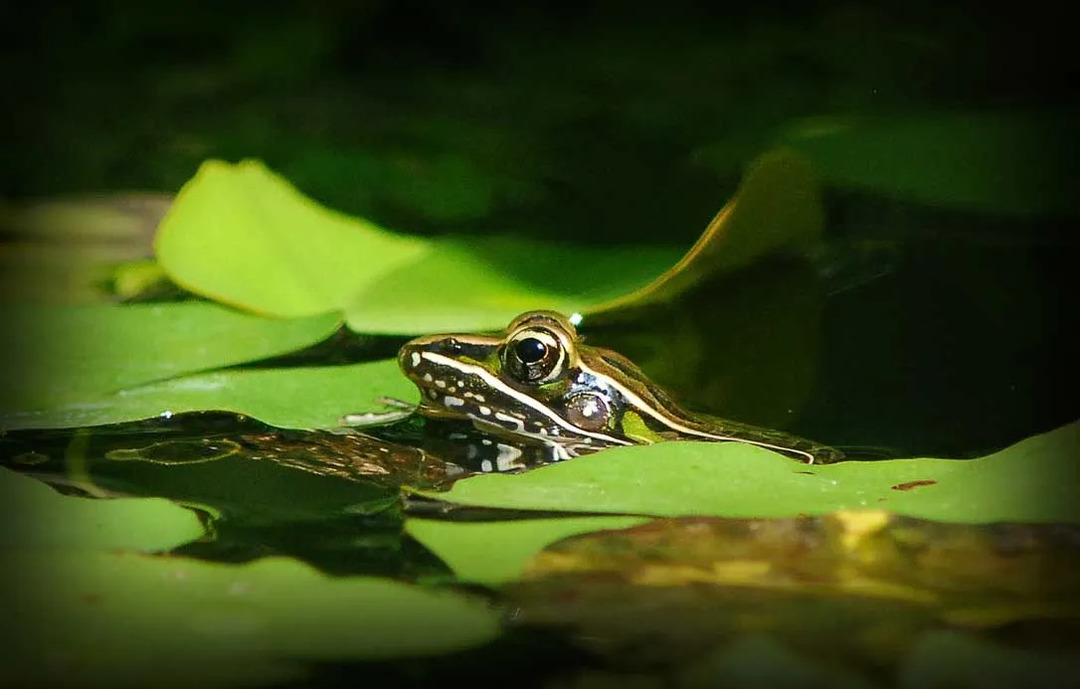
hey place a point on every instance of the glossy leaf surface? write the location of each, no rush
(70, 355)
(1035, 480)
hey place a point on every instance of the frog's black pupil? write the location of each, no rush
(530, 350)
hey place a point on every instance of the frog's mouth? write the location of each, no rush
(449, 388)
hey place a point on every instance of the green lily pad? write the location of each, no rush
(61, 250)
(1000, 163)
(101, 619)
(301, 398)
(468, 547)
(40, 518)
(242, 235)
(1035, 480)
(462, 286)
(61, 356)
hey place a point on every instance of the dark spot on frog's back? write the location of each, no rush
(909, 485)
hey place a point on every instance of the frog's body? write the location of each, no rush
(538, 385)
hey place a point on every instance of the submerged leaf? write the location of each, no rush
(857, 588)
(970, 575)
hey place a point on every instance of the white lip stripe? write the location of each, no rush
(640, 404)
(495, 383)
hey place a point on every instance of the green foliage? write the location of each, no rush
(986, 162)
(243, 236)
(77, 355)
(48, 520)
(240, 234)
(1033, 480)
(304, 398)
(84, 609)
(495, 552)
(129, 621)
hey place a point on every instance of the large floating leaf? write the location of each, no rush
(97, 619)
(67, 355)
(1035, 480)
(1005, 163)
(308, 397)
(484, 284)
(37, 517)
(467, 547)
(242, 235)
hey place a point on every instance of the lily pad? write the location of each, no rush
(301, 398)
(1035, 480)
(495, 552)
(101, 619)
(484, 284)
(242, 235)
(39, 518)
(59, 356)
(1000, 163)
(61, 250)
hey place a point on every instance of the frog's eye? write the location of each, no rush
(530, 350)
(534, 356)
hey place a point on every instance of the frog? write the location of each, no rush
(537, 387)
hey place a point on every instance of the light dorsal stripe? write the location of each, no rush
(641, 405)
(494, 382)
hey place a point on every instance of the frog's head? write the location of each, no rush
(538, 381)
(534, 379)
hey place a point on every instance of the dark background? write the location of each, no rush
(604, 120)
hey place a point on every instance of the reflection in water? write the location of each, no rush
(272, 491)
(353, 456)
(176, 451)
